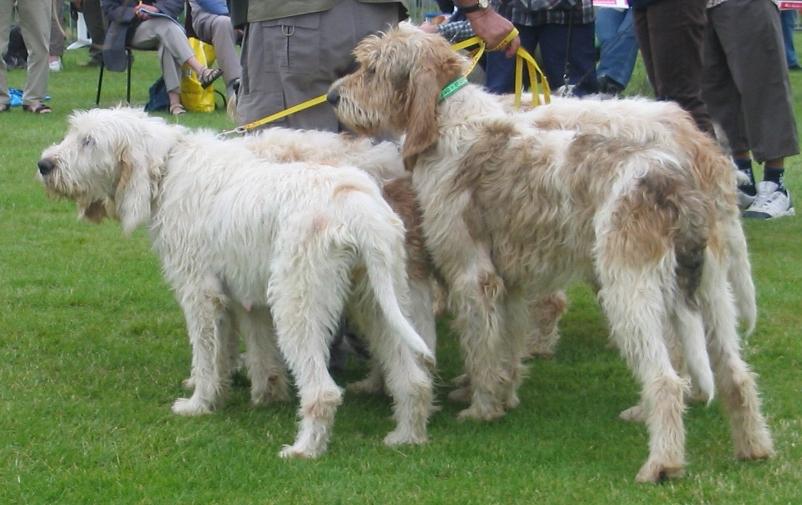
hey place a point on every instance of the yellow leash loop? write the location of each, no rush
(521, 57)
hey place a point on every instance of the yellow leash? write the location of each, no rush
(521, 57)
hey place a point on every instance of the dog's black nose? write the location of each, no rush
(333, 97)
(46, 166)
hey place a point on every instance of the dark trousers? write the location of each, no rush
(671, 34)
(553, 42)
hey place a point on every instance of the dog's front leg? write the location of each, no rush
(209, 330)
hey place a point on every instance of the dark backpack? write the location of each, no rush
(17, 54)
(157, 97)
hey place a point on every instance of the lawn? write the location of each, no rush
(94, 349)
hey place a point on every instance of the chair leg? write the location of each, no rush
(99, 84)
(128, 84)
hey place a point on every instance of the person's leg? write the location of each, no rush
(34, 20)
(580, 62)
(676, 32)
(788, 19)
(219, 31)
(56, 49)
(723, 101)
(6, 7)
(500, 70)
(93, 17)
(619, 51)
(766, 103)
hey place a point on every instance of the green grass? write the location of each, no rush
(93, 350)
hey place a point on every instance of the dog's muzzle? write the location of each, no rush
(46, 165)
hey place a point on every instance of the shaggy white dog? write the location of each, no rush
(383, 162)
(512, 212)
(236, 236)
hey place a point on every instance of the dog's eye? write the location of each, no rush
(87, 141)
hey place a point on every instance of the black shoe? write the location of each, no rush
(608, 86)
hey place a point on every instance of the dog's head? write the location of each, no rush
(396, 86)
(109, 163)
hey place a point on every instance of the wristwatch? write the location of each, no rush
(478, 6)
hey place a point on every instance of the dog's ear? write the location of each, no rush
(421, 107)
(134, 189)
(425, 82)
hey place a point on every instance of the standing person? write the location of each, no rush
(33, 17)
(140, 26)
(670, 34)
(615, 31)
(212, 24)
(293, 51)
(747, 91)
(564, 30)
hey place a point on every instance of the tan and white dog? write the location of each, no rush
(512, 212)
(268, 247)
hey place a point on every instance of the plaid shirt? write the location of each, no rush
(542, 12)
(456, 31)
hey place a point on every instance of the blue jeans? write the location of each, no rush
(788, 20)
(553, 40)
(619, 46)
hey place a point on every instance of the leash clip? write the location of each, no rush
(239, 130)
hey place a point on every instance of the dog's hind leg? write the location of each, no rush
(735, 382)
(266, 368)
(476, 298)
(637, 324)
(209, 327)
(307, 293)
(517, 325)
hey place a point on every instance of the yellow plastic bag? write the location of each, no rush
(193, 96)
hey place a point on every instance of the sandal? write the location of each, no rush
(177, 109)
(38, 108)
(208, 76)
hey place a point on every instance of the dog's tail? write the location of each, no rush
(691, 260)
(739, 273)
(380, 240)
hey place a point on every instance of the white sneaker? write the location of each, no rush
(745, 200)
(770, 202)
(55, 65)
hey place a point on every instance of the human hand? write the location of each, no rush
(142, 10)
(428, 27)
(492, 27)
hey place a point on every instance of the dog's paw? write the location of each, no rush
(655, 472)
(512, 401)
(461, 395)
(298, 452)
(367, 386)
(759, 446)
(190, 407)
(461, 381)
(481, 413)
(633, 414)
(401, 437)
(188, 383)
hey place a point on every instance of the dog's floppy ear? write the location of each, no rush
(134, 189)
(421, 106)
(436, 70)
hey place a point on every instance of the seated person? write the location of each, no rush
(212, 24)
(152, 24)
